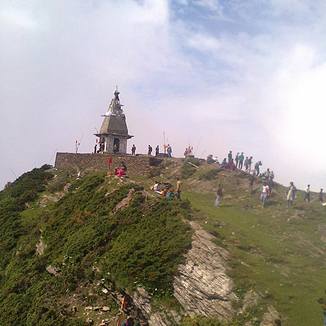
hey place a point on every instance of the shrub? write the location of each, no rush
(142, 243)
(187, 169)
(209, 175)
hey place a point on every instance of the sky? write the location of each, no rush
(215, 74)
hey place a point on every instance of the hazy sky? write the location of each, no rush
(243, 75)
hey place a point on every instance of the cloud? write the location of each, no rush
(203, 42)
(212, 5)
(249, 77)
(17, 18)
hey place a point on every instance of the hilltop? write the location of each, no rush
(72, 247)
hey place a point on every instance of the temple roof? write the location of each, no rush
(114, 122)
(114, 125)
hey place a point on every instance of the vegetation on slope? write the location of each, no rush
(86, 241)
(278, 252)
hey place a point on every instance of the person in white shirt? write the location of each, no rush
(291, 194)
(264, 194)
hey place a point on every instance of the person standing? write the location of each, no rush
(241, 159)
(178, 189)
(219, 196)
(157, 150)
(249, 163)
(257, 168)
(291, 194)
(230, 157)
(133, 150)
(169, 150)
(321, 195)
(307, 194)
(150, 149)
(237, 157)
(246, 164)
(264, 194)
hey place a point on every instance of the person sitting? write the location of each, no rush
(224, 164)
(156, 187)
(128, 322)
(169, 194)
(120, 172)
(231, 165)
(210, 159)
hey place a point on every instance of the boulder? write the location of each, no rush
(105, 309)
(271, 317)
(53, 270)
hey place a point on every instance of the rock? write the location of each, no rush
(271, 317)
(202, 285)
(125, 201)
(105, 291)
(89, 321)
(46, 199)
(106, 308)
(97, 308)
(66, 187)
(248, 323)
(250, 300)
(53, 270)
(40, 247)
(142, 300)
(88, 308)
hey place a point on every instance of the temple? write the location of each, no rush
(113, 135)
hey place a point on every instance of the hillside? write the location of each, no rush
(72, 247)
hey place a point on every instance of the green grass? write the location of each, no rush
(283, 260)
(141, 244)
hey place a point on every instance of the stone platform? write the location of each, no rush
(137, 165)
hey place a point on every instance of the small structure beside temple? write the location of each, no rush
(113, 135)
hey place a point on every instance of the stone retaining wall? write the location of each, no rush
(137, 165)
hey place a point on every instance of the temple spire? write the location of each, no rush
(113, 134)
(115, 107)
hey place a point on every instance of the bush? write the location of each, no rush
(209, 175)
(142, 243)
(148, 252)
(187, 169)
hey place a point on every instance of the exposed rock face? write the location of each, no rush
(143, 301)
(202, 286)
(50, 198)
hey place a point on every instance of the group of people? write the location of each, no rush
(167, 150)
(150, 150)
(241, 162)
(166, 190)
(291, 194)
(188, 151)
